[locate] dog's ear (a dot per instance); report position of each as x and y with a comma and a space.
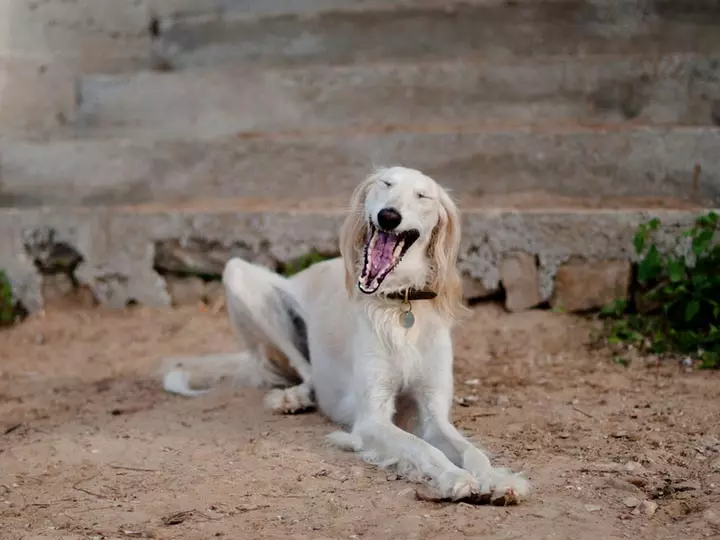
443, 250
353, 234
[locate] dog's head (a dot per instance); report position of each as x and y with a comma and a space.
402, 231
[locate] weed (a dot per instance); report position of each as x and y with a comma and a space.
301, 263
7, 304
676, 305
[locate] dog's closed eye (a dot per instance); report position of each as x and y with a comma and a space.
422, 196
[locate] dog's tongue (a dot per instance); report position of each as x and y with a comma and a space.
379, 261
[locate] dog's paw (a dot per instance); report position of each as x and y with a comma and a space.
504, 487
290, 400
457, 485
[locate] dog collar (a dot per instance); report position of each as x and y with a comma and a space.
411, 294
407, 318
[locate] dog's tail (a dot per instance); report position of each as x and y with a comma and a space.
193, 375
270, 323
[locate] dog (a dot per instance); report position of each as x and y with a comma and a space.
366, 337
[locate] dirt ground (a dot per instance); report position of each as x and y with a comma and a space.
92, 448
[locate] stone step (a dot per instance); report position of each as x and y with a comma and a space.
211, 102
487, 30
120, 254
562, 159
174, 10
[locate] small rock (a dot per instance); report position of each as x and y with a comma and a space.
521, 280
564, 435
502, 401
465, 401
186, 290
677, 509
712, 517
648, 508
631, 502
690, 485
622, 485
638, 481
472, 382
593, 507
634, 466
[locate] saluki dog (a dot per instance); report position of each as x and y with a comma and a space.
366, 337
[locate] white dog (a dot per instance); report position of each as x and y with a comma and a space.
366, 336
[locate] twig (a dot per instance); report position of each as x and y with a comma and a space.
76, 486
12, 428
136, 469
578, 409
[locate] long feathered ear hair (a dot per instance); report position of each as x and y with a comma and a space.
353, 234
443, 251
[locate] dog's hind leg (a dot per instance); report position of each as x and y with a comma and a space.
268, 318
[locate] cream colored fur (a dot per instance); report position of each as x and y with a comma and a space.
367, 372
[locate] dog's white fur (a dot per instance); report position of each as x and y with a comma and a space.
367, 372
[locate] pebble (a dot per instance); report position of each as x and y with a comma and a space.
712, 517
472, 382
502, 401
631, 502
622, 485
593, 507
648, 508
633, 466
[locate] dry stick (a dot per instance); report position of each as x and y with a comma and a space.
578, 409
76, 486
136, 469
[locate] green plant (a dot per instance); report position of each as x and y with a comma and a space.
676, 305
7, 304
301, 263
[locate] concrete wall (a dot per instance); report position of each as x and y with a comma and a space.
46, 44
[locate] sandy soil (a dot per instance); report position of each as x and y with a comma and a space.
91, 448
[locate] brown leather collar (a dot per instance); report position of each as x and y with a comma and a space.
412, 295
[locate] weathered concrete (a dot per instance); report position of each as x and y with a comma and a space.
37, 97
214, 9
566, 160
117, 246
211, 102
520, 277
46, 44
582, 285
499, 30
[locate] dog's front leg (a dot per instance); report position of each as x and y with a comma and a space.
385, 444
434, 398
379, 441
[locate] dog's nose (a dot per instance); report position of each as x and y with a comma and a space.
389, 218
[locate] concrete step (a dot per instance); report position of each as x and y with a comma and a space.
211, 102
489, 30
561, 159
115, 250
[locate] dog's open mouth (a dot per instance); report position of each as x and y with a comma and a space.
383, 251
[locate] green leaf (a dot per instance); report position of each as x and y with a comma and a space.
701, 242
650, 266
692, 309
639, 242
676, 270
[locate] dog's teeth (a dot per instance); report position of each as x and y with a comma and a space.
398, 250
